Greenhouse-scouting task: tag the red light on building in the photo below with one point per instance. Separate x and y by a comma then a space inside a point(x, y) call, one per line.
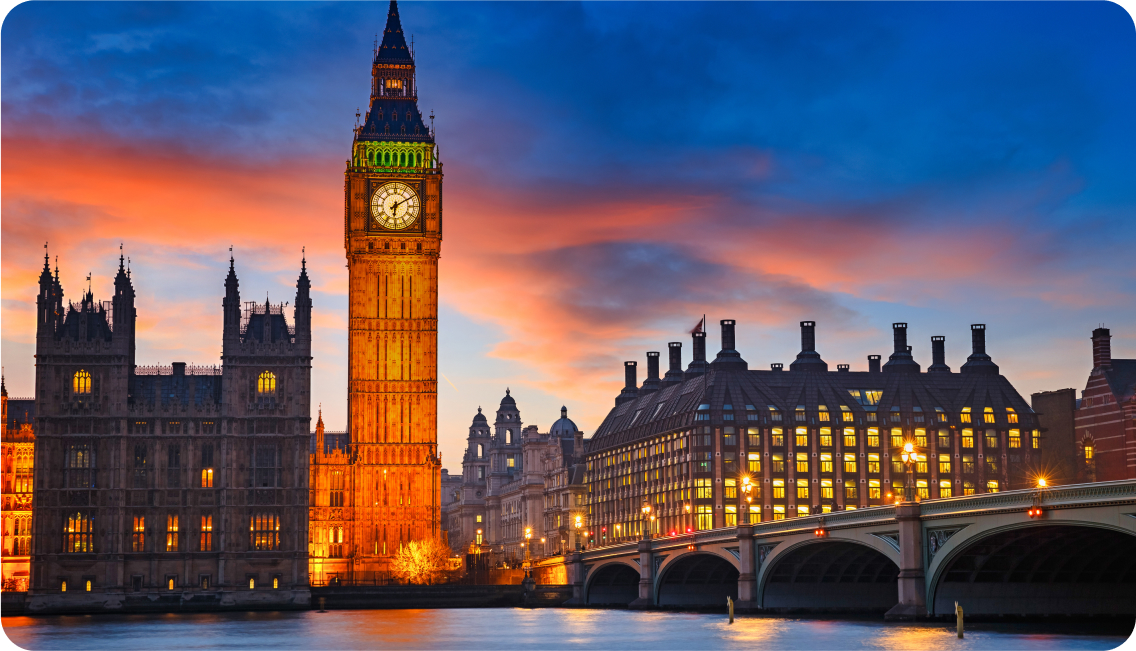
point(820, 532)
point(1035, 512)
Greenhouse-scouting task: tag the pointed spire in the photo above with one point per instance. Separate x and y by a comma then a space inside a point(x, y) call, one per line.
point(393, 48)
point(3, 388)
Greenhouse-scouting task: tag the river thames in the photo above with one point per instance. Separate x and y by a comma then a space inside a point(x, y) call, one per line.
point(505, 628)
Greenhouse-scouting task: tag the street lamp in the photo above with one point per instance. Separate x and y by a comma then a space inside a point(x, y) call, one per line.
point(746, 486)
point(578, 524)
point(910, 456)
point(646, 520)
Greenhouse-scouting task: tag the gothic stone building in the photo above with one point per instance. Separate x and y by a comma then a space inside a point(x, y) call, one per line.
point(169, 485)
point(811, 439)
point(516, 479)
point(17, 451)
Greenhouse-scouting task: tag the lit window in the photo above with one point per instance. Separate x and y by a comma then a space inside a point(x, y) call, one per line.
point(275, 582)
point(802, 463)
point(846, 414)
point(944, 438)
point(1015, 438)
point(802, 437)
point(778, 438)
point(266, 383)
point(826, 489)
point(921, 438)
point(850, 464)
point(63, 586)
point(944, 488)
point(778, 512)
point(922, 489)
point(802, 491)
point(826, 437)
point(731, 516)
point(730, 489)
point(968, 438)
point(778, 463)
point(851, 491)
point(705, 517)
point(1088, 452)
point(874, 463)
point(78, 533)
point(1011, 415)
point(964, 417)
point(754, 461)
point(988, 415)
point(849, 438)
point(172, 532)
point(81, 383)
point(873, 437)
point(802, 511)
point(825, 462)
point(967, 464)
point(896, 437)
point(169, 583)
point(991, 438)
point(968, 488)
point(873, 489)
point(1036, 440)
point(138, 537)
point(264, 531)
point(252, 583)
point(207, 478)
point(778, 489)
point(944, 465)
point(992, 486)
point(823, 414)
point(88, 585)
point(206, 533)
point(704, 489)
point(940, 415)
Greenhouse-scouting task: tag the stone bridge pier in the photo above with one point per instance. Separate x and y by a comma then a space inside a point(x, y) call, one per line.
point(906, 561)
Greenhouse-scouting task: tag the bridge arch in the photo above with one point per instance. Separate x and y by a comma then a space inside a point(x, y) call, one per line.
point(1060, 567)
point(696, 579)
point(831, 574)
point(614, 583)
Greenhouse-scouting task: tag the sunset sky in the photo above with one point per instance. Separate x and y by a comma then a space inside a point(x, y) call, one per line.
point(612, 172)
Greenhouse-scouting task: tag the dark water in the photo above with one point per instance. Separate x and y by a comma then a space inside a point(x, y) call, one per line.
point(504, 628)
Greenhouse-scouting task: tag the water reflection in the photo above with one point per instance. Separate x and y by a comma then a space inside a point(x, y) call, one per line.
point(527, 629)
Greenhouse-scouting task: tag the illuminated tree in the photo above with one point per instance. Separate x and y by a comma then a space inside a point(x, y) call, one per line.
point(421, 561)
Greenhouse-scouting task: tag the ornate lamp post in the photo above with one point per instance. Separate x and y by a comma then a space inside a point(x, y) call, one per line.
point(746, 487)
point(577, 524)
point(647, 519)
point(910, 456)
point(685, 518)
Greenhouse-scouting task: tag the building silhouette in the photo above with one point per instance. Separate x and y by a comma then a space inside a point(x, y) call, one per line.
point(390, 467)
point(157, 486)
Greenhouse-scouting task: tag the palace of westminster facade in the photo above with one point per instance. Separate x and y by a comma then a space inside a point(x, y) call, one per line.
point(206, 484)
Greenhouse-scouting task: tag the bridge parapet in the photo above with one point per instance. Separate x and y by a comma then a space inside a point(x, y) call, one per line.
point(1078, 495)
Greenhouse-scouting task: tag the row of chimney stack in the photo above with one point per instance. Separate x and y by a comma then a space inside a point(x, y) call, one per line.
point(808, 359)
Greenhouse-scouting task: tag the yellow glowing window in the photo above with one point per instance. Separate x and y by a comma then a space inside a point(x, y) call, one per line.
point(964, 417)
point(206, 533)
point(873, 489)
point(873, 463)
point(802, 511)
point(802, 491)
point(873, 437)
point(988, 415)
point(896, 437)
point(922, 489)
point(63, 586)
point(945, 488)
point(846, 414)
point(778, 512)
point(169, 584)
point(1036, 441)
point(825, 462)
point(266, 383)
point(802, 437)
point(394, 83)
point(778, 437)
point(1015, 438)
point(703, 489)
point(991, 438)
point(849, 438)
point(252, 583)
point(802, 463)
point(81, 382)
point(207, 478)
point(172, 532)
point(992, 486)
point(778, 489)
point(754, 461)
point(850, 464)
point(138, 537)
point(823, 414)
point(826, 436)
point(826, 489)
point(968, 438)
point(275, 582)
point(88, 585)
point(944, 465)
point(730, 489)
point(1088, 452)
point(921, 438)
point(1011, 415)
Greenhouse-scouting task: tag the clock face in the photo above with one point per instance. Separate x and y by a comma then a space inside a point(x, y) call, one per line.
point(395, 206)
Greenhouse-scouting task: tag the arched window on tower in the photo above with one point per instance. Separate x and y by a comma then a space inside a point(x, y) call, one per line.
point(480, 451)
point(266, 383)
point(81, 383)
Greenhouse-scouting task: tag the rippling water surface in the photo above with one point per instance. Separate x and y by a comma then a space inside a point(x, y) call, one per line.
point(504, 628)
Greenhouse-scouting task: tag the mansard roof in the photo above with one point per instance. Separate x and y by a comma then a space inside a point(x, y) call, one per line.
point(1122, 379)
point(675, 407)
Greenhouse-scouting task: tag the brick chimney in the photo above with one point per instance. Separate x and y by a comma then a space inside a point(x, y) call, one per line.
point(652, 383)
point(630, 384)
point(808, 359)
point(938, 355)
point(1102, 349)
point(674, 373)
point(873, 363)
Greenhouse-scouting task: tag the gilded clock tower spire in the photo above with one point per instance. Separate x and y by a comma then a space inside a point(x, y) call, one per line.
point(393, 234)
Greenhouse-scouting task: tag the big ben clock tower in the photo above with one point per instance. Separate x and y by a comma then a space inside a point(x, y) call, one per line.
point(393, 234)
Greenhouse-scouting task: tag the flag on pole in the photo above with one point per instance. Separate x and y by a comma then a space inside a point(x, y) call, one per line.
point(698, 328)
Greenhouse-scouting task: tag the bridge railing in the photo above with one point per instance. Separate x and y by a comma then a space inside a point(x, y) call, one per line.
point(1105, 491)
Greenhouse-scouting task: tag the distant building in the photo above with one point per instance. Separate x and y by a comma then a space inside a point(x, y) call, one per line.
point(812, 440)
point(331, 521)
point(17, 451)
point(179, 482)
point(513, 480)
point(1059, 457)
point(1106, 416)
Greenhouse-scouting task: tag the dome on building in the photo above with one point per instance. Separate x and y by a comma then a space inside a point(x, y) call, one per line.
point(563, 427)
point(479, 419)
point(508, 401)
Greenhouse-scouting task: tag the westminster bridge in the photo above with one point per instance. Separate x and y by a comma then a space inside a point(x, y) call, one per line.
point(1067, 550)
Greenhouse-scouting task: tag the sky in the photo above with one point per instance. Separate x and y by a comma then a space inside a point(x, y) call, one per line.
point(613, 171)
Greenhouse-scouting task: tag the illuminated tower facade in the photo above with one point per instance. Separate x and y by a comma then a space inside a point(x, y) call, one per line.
point(393, 234)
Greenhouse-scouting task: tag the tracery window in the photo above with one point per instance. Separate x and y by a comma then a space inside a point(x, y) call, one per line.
point(81, 383)
point(138, 534)
point(172, 532)
point(78, 533)
point(266, 383)
point(264, 532)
